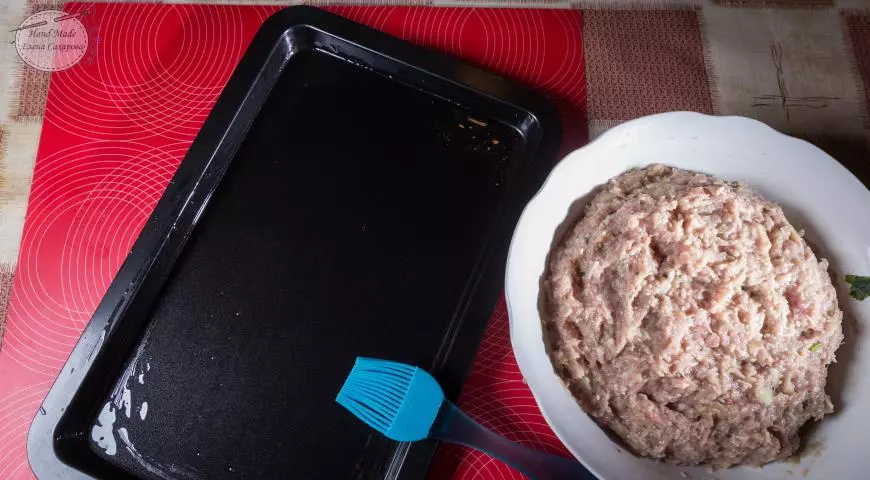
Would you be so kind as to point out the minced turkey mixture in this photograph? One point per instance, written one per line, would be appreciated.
(687, 315)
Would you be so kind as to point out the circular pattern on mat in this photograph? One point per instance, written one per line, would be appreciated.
(116, 127)
(153, 74)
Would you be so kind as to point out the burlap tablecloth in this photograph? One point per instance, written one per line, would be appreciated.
(802, 66)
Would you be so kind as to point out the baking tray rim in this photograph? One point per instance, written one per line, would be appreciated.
(200, 171)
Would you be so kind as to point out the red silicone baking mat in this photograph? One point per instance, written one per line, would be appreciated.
(117, 125)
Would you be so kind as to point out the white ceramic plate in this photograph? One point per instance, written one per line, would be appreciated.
(817, 194)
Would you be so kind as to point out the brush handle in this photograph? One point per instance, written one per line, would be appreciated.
(452, 425)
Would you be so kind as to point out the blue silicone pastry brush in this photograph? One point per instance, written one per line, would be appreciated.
(406, 404)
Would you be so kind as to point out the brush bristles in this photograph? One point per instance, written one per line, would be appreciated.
(374, 391)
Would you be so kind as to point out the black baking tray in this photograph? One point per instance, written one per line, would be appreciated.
(350, 194)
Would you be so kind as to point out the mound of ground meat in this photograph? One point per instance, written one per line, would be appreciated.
(688, 316)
